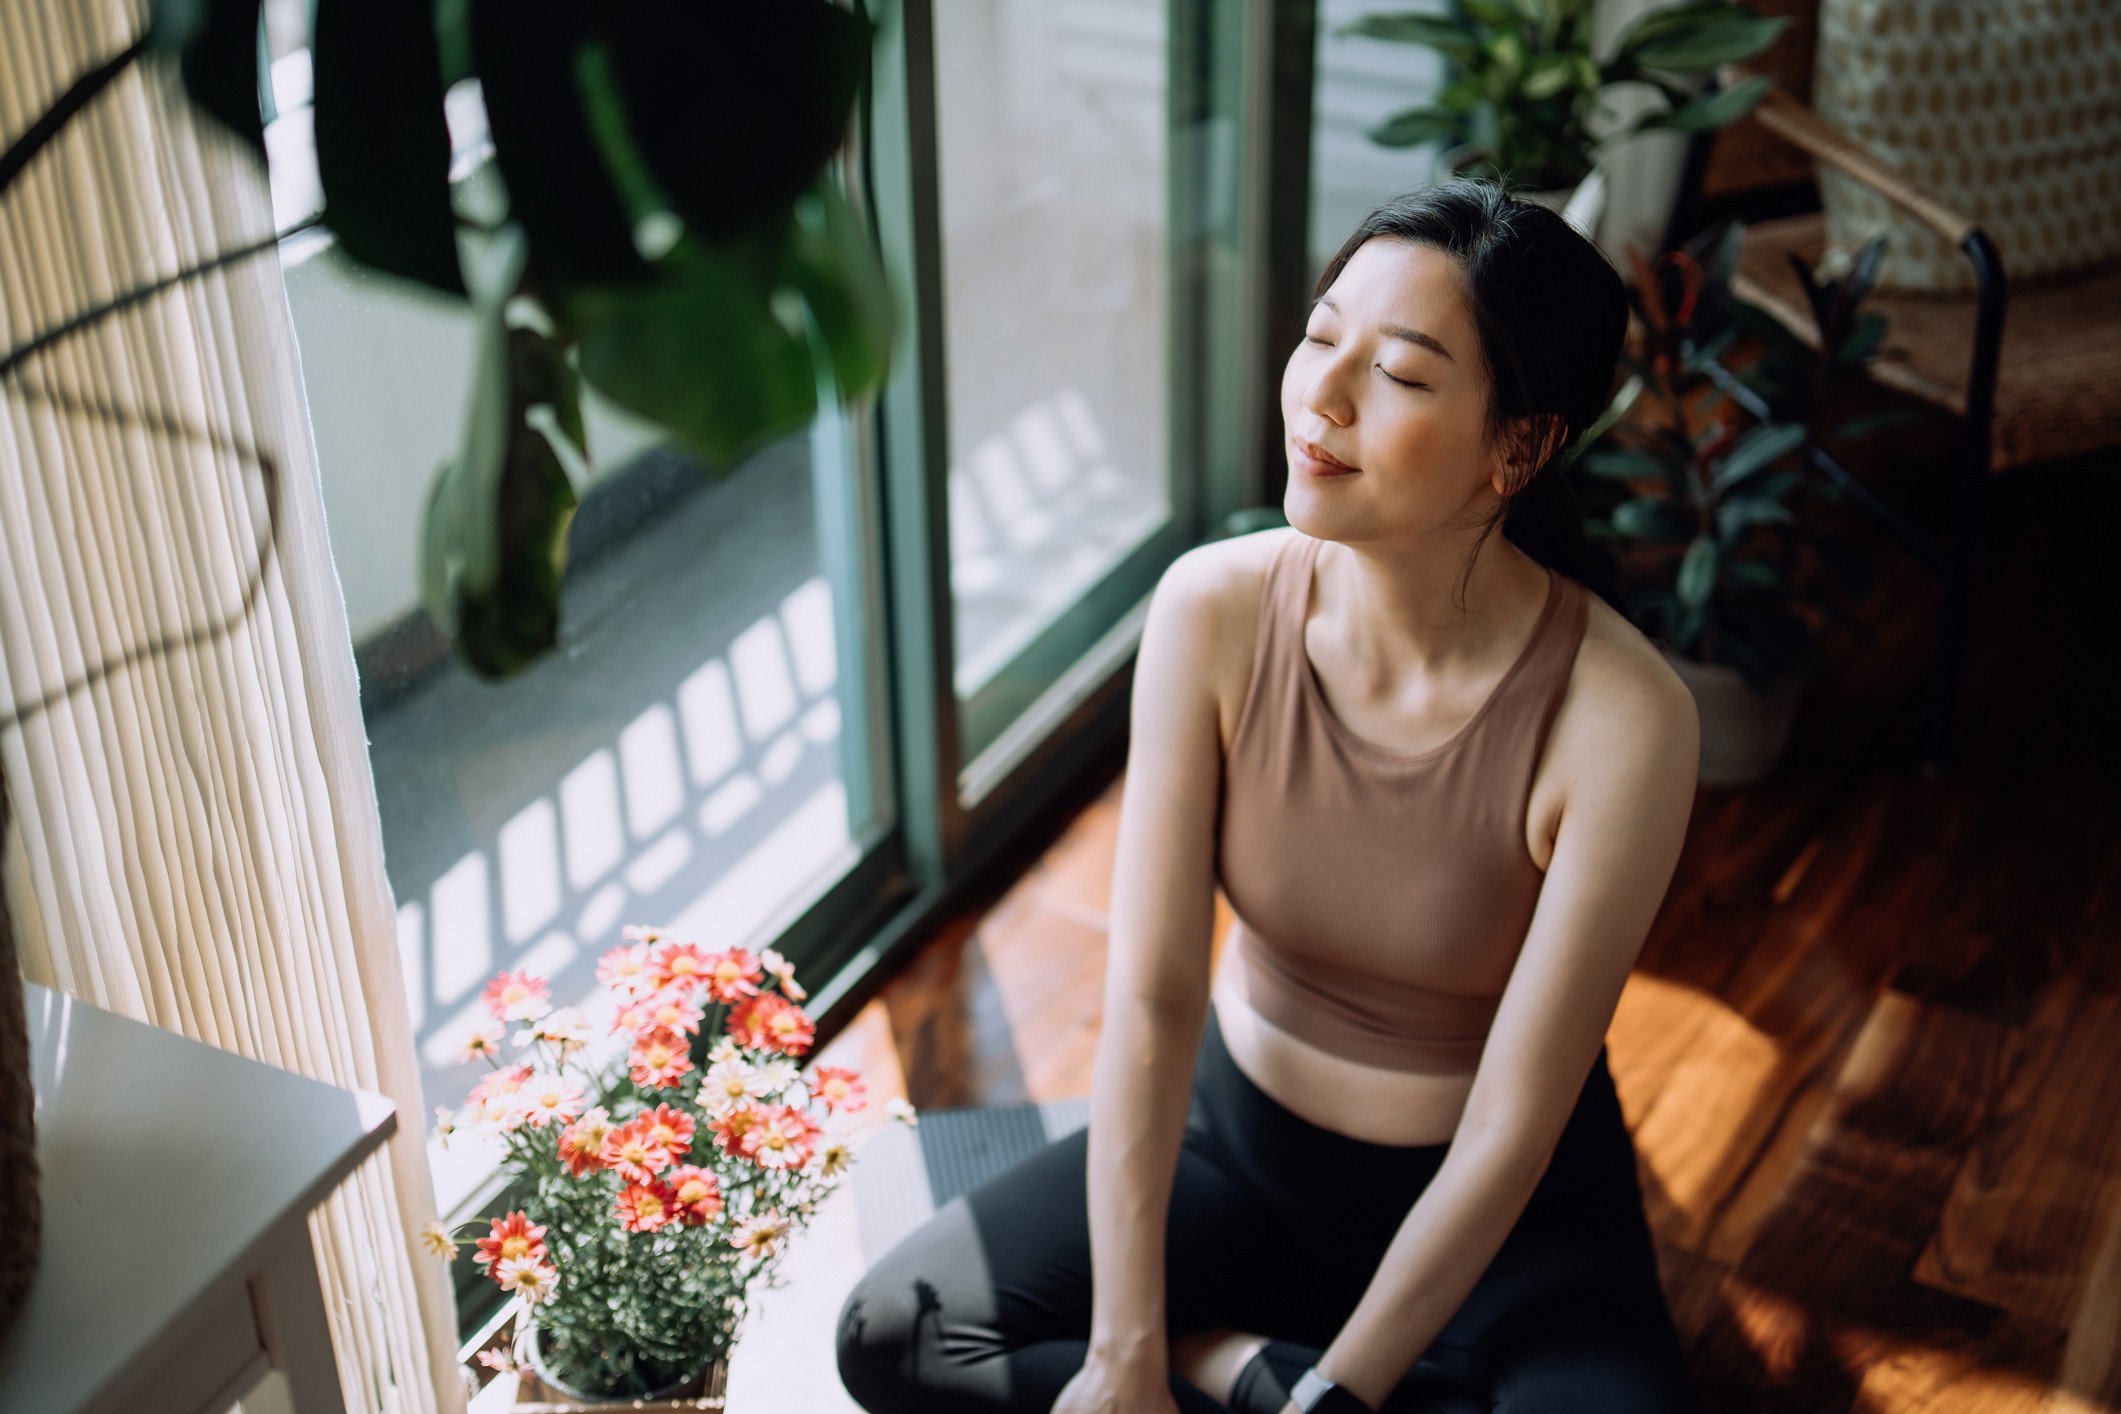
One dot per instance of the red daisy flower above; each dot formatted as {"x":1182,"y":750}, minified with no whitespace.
{"x":780,"y":1137}
{"x":679,"y":965}
{"x":513,"y":1236}
{"x":516,"y":996}
{"x":645,"y":1207}
{"x":732,"y":1125}
{"x":636,"y":1156}
{"x":771,"y":1023}
{"x":695,"y":1194}
{"x":582,"y":1143}
{"x":671,"y":1009}
{"x":733,"y":975}
{"x":668,"y":1129}
{"x":658,"y":1059}
{"x":841,"y":1090}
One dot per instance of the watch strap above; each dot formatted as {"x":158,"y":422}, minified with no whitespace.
{"x":1315,"y":1394}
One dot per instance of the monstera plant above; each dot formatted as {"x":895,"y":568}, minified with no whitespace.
{"x":1524,"y":81}
{"x":658,"y":217}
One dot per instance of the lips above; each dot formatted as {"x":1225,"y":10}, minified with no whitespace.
{"x":1314,"y":460}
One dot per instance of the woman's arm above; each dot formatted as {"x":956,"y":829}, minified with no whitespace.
{"x":1156,"y":981}
{"x":1627,"y":747}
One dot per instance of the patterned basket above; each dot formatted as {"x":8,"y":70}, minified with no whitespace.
{"x":2008,"y":110}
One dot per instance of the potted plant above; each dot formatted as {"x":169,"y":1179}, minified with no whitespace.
{"x":662,"y":1166}
{"x":1701,"y":494}
{"x":1524,"y":83}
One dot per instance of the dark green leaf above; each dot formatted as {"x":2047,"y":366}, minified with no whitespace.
{"x":1550,"y":74}
{"x":558,"y":188}
{"x":382,"y":140}
{"x":1415,"y":126}
{"x":699,"y":350}
{"x":1706,"y":40}
{"x":453,"y":39}
{"x":1614,"y":411}
{"x":1875,"y":422}
{"x":1712,"y":110}
{"x":1450,"y":37}
{"x":736,"y":105}
{"x":836,"y":267}
{"x":1753,"y":574}
{"x":1863,"y":341}
{"x":1624,"y":464}
{"x":218,"y":45}
{"x":1735,"y":517}
{"x":1697,"y":572}
{"x":1650,"y":518}
{"x":1758,"y":447}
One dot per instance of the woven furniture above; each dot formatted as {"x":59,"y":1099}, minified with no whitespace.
{"x":2049,"y":388}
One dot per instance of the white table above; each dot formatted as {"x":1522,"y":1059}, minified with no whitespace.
{"x":178,"y":1181}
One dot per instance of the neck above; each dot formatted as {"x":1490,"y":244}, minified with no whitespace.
{"x":1415,"y":602}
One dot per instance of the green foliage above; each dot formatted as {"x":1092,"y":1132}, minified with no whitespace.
{"x":1705,"y":497}
{"x":1525,"y":81}
{"x":382,"y":143}
{"x":669,"y":230}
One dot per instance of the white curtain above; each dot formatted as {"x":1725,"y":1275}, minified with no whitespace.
{"x":196,"y":840}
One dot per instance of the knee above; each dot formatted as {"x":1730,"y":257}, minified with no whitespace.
{"x":875,"y":1345}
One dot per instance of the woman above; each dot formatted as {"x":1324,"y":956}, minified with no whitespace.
{"x":1444,"y":789}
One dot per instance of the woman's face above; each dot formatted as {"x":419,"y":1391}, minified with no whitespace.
{"x":1385,"y":403}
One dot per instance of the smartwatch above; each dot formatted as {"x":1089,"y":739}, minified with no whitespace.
{"x":1315,"y":1394}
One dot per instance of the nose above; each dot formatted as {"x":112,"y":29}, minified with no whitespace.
{"x":1324,"y":391}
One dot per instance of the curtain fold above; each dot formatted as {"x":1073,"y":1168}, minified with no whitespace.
{"x":196,"y":840}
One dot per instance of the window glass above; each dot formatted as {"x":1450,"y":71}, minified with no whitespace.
{"x":1052,"y":122}
{"x":686,"y":758}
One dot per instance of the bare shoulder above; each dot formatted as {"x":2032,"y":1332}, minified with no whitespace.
{"x":1206,"y":611}
{"x":1625,"y":707}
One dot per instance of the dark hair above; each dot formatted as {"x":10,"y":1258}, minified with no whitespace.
{"x":1551,"y":314}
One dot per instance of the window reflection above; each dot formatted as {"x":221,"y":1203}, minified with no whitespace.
{"x":1052,"y":133}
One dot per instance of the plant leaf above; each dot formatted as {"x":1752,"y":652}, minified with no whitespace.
{"x":1550,"y":74}
{"x":1756,"y":448}
{"x":1449,"y":37}
{"x":1625,"y":464}
{"x":1650,"y":518}
{"x":382,"y":141}
{"x":217,"y":44}
{"x":1712,"y":110}
{"x":1706,"y":39}
{"x":1874,"y":422}
{"x":836,"y":267}
{"x":1735,"y":517}
{"x":699,"y":350}
{"x":1697,"y":572}
{"x":1753,"y":574}
{"x":736,"y":104}
{"x":1415,"y":126}
{"x":1614,"y":411}
{"x":1863,"y":341}
{"x":558,"y":188}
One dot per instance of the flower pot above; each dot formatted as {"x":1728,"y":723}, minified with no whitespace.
{"x":1742,"y":733}
{"x":701,"y":1389}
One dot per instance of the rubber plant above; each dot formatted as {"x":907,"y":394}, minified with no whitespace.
{"x":658,"y":217}
{"x":1524,"y":81}
{"x":1704,"y":492}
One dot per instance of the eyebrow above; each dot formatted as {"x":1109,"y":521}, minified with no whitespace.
{"x":1412,"y":336}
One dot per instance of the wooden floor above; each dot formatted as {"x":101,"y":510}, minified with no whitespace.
{"x":1872,"y":1053}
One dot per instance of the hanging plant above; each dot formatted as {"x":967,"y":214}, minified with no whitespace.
{"x":658,"y":218}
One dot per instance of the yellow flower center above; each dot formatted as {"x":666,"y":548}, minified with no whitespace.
{"x":514,"y":1245}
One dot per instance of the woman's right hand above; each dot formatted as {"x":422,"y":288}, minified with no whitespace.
{"x":1103,"y":1387}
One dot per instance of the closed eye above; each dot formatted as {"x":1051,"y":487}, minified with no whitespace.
{"x":1402,"y":382}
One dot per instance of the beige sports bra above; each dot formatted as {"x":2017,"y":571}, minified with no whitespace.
{"x":1382,"y":897}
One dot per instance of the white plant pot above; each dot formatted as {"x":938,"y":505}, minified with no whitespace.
{"x":1742,"y":733}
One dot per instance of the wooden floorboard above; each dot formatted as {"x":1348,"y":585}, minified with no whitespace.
{"x":1871,"y":1053}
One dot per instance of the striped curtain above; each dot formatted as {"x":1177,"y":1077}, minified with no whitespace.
{"x":196,"y":841}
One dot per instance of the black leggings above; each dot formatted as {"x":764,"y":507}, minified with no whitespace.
{"x":1276,"y":1227}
